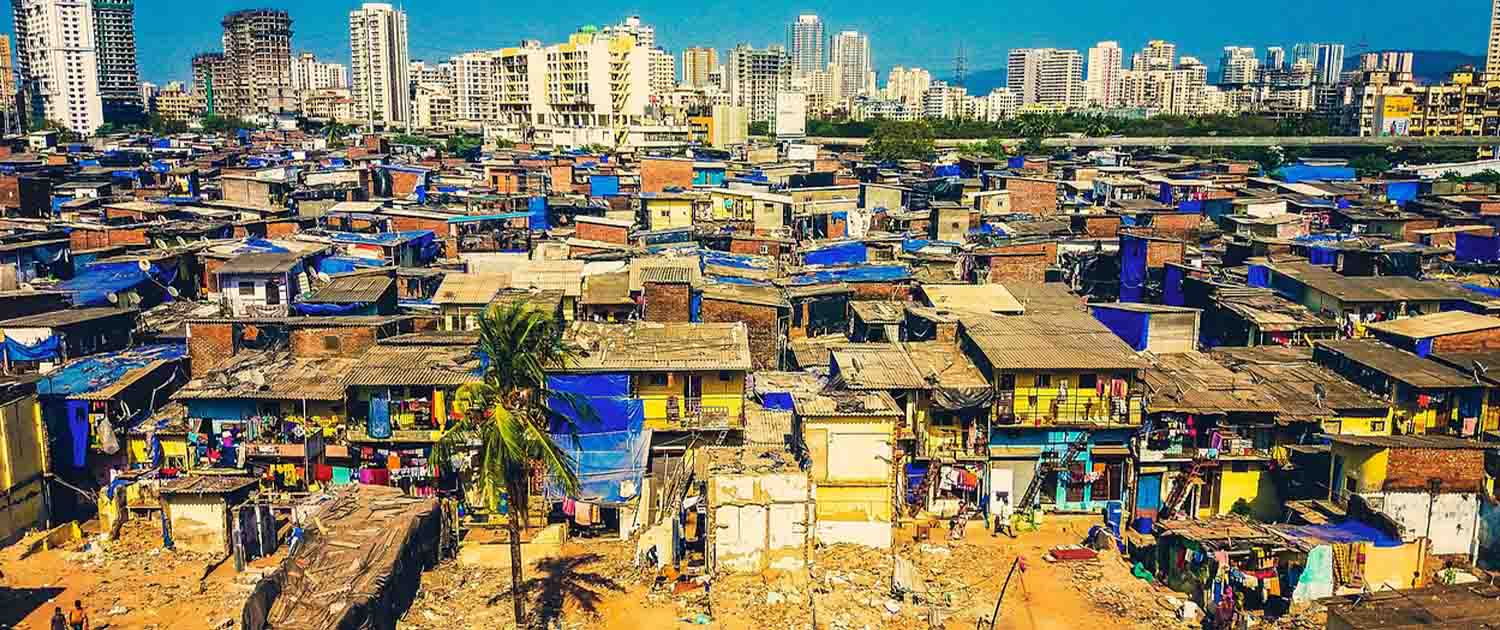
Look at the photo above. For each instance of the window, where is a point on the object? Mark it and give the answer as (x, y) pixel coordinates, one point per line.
(1007, 382)
(273, 293)
(247, 287)
(658, 380)
(726, 376)
(1043, 380)
(332, 342)
(1378, 425)
(1088, 381)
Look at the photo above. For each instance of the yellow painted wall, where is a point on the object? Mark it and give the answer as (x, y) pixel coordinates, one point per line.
(854, 503)
(173, 446)
(668, 214)
(728, 206)
(1255, 486)
(1359, 425)
(729, 394)
(1080, 405)
(21, 445)
(1367, 465)
(850, 485)
(1392, 567)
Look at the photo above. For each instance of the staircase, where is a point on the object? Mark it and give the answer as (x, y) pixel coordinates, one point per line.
(1047, 464)
(1185, 483)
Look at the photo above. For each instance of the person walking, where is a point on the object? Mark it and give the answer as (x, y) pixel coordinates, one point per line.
(78, 618)
(59, 620)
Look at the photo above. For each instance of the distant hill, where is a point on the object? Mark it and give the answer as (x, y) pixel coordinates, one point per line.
(1429, 66)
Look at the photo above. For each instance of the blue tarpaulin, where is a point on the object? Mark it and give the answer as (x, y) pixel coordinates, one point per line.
(78, 431)
(332, 265)
(850, 253)
(1294, 173)
(260, 246)
(1350, 531)
(1133, 327)
(598, 403)
(537, 208)
(604, 185)
(1489, 291)
(915, 473)
(96, 372)
(609, 465)
(1401, 192)
(1322, 255)
(323, 308)
(379, 423)
(780, 401)
(948, 170)
(45, 349)
(913, 245)
(1476, 248)
(1259, 276)
(1171, 286)
(872, 273)
(93, 286)
(1132, 269)
(737, 261)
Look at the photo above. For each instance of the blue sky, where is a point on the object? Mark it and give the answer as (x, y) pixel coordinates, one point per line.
(171, 31)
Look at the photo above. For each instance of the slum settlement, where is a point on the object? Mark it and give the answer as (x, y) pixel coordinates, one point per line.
(1263, 391)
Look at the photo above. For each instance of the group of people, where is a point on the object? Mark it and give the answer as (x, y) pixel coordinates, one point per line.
(76, 619)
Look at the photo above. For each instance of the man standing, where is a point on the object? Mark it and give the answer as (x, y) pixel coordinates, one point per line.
(1003, 515)
(78, 618)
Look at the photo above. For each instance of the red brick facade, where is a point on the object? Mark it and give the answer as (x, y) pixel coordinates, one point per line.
(1460, 470)
(1024, 263)
(1032, 196)
(763, 325)
(320, 342)
(591, 231)
(657, 175)
(667, 302)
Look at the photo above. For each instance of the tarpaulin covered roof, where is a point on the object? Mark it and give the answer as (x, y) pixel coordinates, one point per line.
(871, 273)
(86, 375)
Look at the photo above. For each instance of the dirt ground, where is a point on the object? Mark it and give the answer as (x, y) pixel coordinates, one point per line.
(593, 586)
(131, 584)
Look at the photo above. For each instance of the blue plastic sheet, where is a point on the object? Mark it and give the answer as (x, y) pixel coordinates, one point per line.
(1259, 276)
(323, 308)
(737, 261)
(598, 403)
(871, 273)
(850, 253)
(536, 207)
(78, 431)
(49, 348)
(93, 286)
(609, 465)
(379, 423)
(1349, 531)
(1476, 248)
(96, 372)
(1401, 192)
(604, 185)
(1171, 289)
(260, 246)
(1322, 255)
(1294, 173)
(780, 401)
(332, 265)
(1131, 326)
(1132, 269)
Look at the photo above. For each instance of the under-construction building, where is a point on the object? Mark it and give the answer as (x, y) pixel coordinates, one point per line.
(256, 75)
(119, 79)
(209, 72)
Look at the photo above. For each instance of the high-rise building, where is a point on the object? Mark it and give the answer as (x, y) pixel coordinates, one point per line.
(1327, 61)
(1051, 77)
(380, 61)
(1275, 58)
(1157, 55)
(420, 72)
(119, 79)
(59, 62)
(474, 86)
(697, 64)
(258, 61)
(754, 77)
(431, 106)
(592, 80)
(148, 94)
(1238, 66)
(805, 39)
(210, 71)
(1106, 60)
(644, 34)
(1386, 61)
(663, 71)
(7, 81)
(850, 51)
(1492, 60)
(310, 74)
(907, 85)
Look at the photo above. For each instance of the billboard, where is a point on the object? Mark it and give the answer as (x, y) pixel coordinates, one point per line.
(1394, 112)
(791, 115)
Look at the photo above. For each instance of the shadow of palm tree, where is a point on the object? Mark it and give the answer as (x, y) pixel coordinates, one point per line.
(558, 581)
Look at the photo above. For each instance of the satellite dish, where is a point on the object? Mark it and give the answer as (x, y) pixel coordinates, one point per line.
(172, 291)
(143, 265)
(112, 297)
(323, 277)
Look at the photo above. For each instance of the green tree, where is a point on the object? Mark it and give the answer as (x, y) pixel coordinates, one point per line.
(992, 148)
(417, 141)
(894, 140)
(763, 128)
(463, 144)
(214, 123)
(1370, 165)
(505, 427)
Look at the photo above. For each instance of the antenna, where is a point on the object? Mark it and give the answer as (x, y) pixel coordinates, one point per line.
(960, 66)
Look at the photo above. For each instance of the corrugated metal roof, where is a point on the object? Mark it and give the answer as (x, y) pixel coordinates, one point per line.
(1446, 442)
(877, 366)
(416, 365)
(1398, 364)
(1192, 382)
(991, 298)
(207, 484)
(667, 275)
(470, 288)
(64, 317)
(879, 311)
(351, 289)
(846, 404)
(1054, 341)
(272, 376)
(1437, 324)
(269, 262)
(655, 346)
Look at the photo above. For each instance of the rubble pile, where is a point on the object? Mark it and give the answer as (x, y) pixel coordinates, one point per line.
(1108, 584)
(768, 602)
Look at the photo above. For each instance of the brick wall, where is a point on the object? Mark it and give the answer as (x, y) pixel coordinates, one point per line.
(1102, 226)
(1408, 231)
(1477, 341)
(752, 247)
(659, 175)
(1459, 470)
(281, 229)
(562, 178)
(879, 291)
(602, 233)
(1025, 263)
(1159, 253)
(208, 345)
(10, 192)
(667, 302)
(765, 333)
(837, 228)
(1032, 196)
(211, 274)
(314, 342)
(403, 183)
(1183, 226)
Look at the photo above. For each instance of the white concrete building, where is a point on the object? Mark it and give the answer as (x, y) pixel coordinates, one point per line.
(907, 85)
(697, 64)
(592, 80)
(1049, 77)
(58, 64)
(1000, 104)
(380, 61)
(755, 76)
(1106, 61)
(805, 39)
(1157, 55)
(474, 86)
(644, 34)
(1238, 66)
(850, 51)
(310, 74)
(432, 106)
(791, 115)
(663, 72)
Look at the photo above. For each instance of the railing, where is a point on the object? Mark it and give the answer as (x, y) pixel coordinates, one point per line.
(1069, 411)
(696, 415)
(951, 446)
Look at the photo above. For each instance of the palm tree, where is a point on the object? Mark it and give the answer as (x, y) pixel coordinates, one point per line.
(505, 427)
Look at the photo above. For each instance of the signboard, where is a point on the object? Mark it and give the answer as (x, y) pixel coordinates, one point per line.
(1395, 112)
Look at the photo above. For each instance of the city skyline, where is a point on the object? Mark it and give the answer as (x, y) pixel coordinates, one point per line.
(168, 40)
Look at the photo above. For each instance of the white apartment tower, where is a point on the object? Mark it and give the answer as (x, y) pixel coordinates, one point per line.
(644, 34)
(1157, 55)
(754, 78)
(257, 71)
(907, 85)
(591, 81)
(697, 65)
(310, 74)
(1106, 61)
(1492, 60)
(1047, 76)
(1238, 66)
(380, 62)
(663, 71)
(1275, 58)
(58, 62)
(804, 38)
(474, 86)
(850, 51)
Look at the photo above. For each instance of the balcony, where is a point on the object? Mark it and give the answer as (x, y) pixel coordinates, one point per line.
(1074, 410)
(693, 415)
(951, 445)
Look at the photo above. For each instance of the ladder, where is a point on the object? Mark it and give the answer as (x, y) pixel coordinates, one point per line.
(1031, 498)
(1185, 483)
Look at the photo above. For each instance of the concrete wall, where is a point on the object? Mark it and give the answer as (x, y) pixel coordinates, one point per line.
(21, 467)
(852, 473)
(759, 522)
(1454, 518)
(199, 523)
